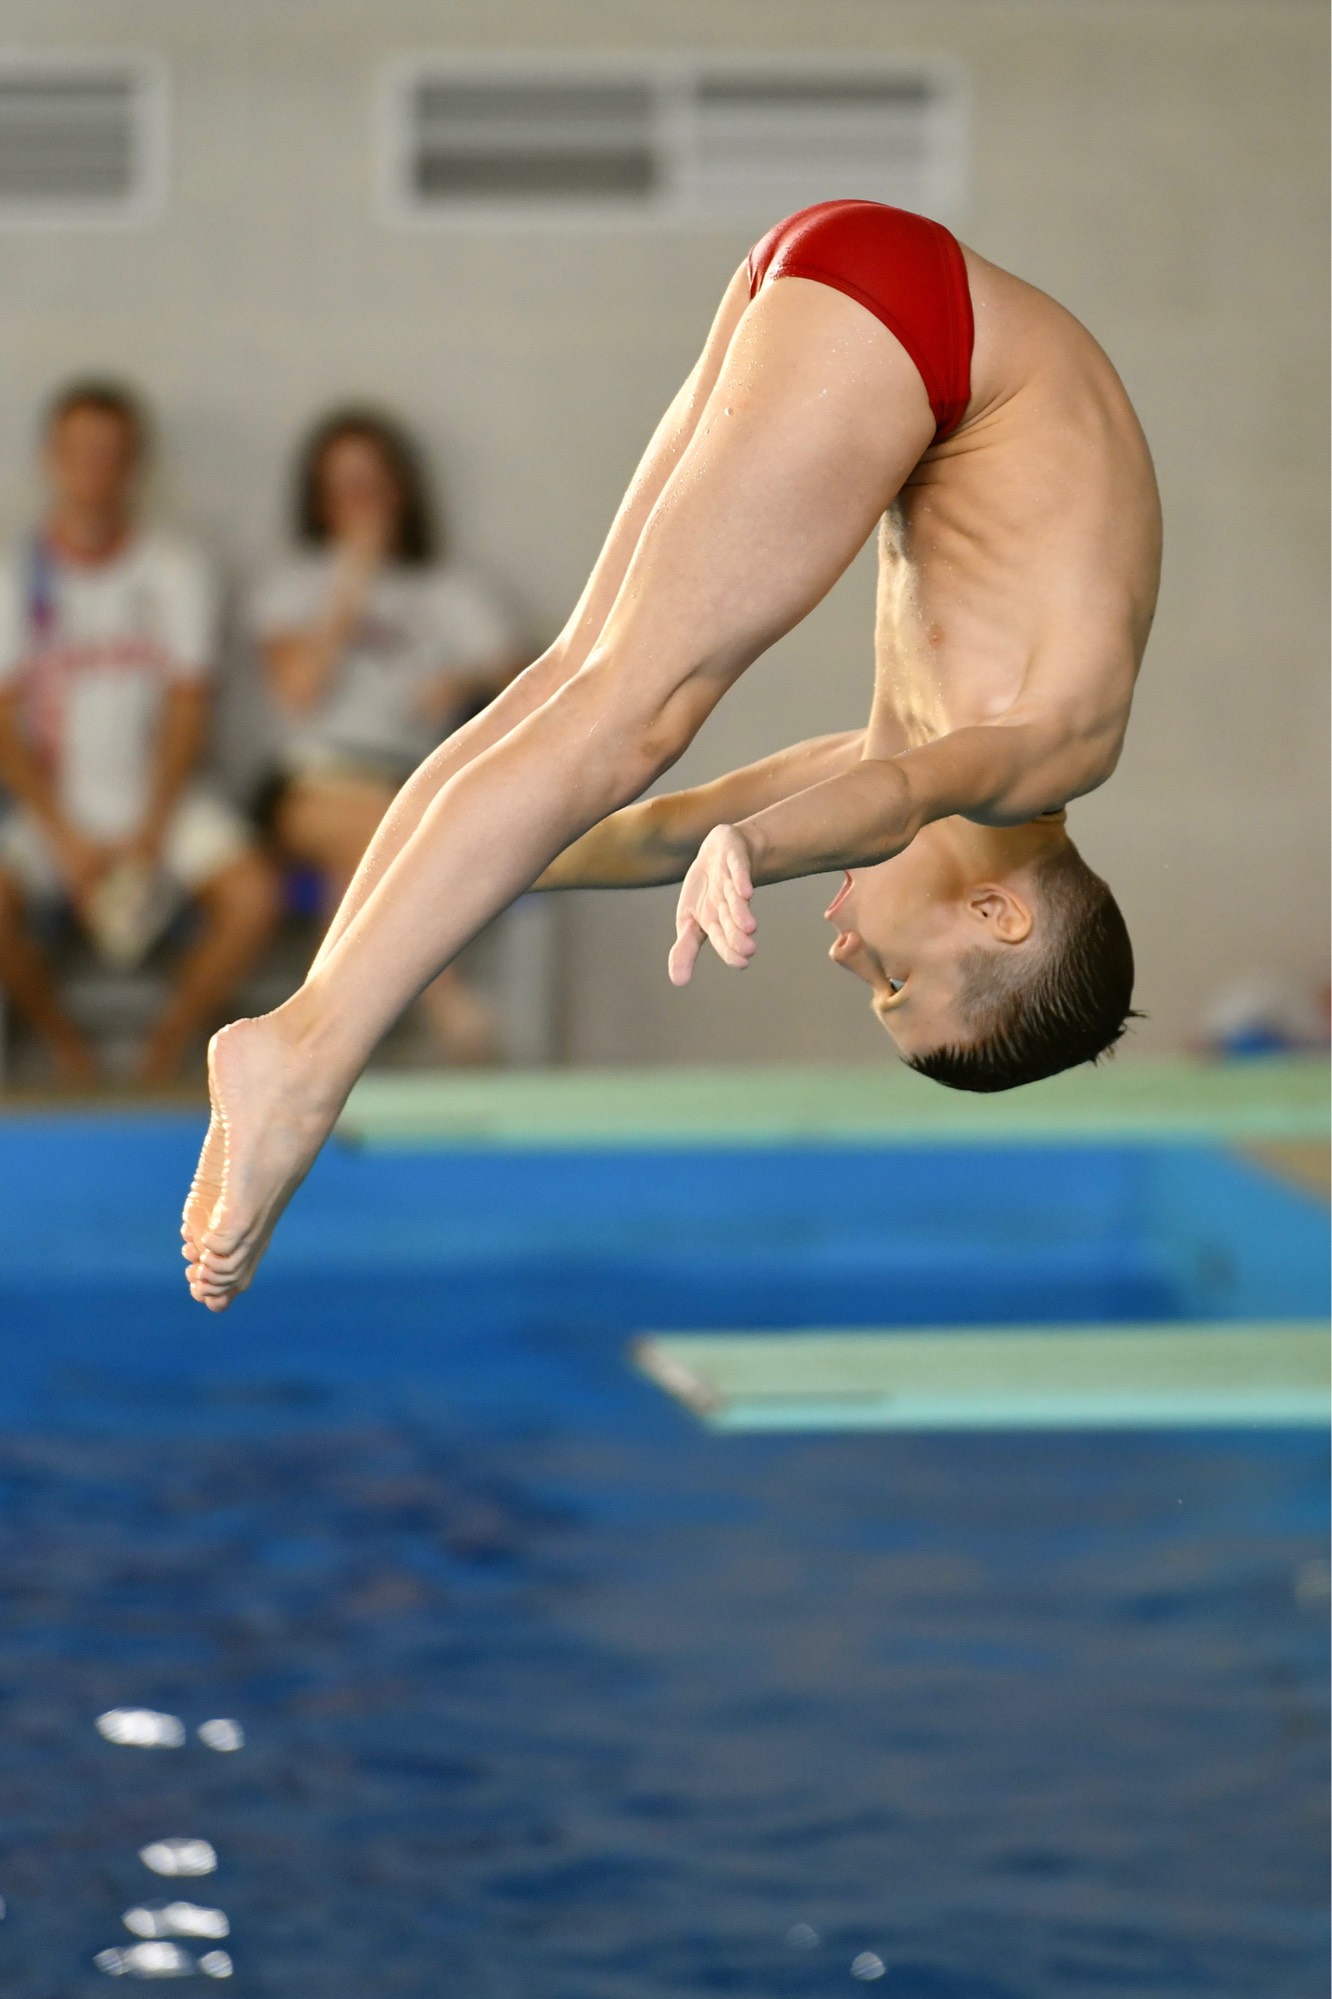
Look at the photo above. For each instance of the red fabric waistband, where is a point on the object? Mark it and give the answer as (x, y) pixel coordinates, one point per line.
(909, 272)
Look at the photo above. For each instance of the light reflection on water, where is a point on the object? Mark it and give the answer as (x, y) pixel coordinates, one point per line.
(162, 1960)
(179, 1856)
(176, 1919)
(224, 1735)
(141, 1728)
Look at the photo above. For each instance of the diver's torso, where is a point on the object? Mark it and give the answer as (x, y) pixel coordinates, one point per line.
(1018, 568)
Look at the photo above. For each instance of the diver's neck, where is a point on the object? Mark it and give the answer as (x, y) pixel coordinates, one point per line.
(1001, 850)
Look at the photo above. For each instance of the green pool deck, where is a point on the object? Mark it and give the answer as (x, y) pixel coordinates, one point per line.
(1236, 1376)
(1273, 1100)
(1013, 1378)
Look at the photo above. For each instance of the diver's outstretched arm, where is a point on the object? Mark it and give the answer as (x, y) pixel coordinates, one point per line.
(999, 774)
(656, 840)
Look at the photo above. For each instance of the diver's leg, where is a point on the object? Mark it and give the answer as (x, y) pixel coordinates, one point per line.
(525, 693)
(817, 418)
(572, 647)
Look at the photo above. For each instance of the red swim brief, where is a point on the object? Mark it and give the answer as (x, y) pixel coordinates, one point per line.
(907, 271)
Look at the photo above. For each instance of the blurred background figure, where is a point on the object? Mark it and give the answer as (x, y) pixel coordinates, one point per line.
(107, 645)
(374, 648)
(1266, 1011)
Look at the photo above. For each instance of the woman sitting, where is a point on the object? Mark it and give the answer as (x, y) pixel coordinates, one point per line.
(374, 651)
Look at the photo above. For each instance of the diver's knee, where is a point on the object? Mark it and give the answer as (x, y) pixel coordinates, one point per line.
(646, 728)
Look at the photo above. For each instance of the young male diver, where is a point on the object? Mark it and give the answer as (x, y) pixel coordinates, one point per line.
(863, 367)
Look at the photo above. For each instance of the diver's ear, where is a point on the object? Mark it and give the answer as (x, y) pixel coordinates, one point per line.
(1007, 915)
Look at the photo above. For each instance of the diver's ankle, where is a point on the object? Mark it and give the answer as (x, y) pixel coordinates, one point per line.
(318, 1064)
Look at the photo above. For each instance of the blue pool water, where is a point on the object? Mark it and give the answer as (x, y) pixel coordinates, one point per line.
(552, 1695)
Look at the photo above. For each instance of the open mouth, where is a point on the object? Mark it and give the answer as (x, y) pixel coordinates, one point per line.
(840, 897)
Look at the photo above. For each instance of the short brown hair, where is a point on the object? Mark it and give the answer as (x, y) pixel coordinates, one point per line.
(97, 392)
(1036, 1013)
(418, 537)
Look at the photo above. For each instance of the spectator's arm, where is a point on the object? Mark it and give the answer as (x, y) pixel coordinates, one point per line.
(476, 636)
(26, 779)
(22, 773)
(181, 735)
(189, 609)
(301, 662)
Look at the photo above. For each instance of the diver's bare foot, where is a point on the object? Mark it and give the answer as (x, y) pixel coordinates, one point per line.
(273, 1117)
(205, 1192)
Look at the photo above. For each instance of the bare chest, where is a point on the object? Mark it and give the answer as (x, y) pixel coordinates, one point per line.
(1012, 574)
(941, 662)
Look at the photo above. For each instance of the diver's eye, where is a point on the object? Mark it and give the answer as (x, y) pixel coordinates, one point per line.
(896, 985)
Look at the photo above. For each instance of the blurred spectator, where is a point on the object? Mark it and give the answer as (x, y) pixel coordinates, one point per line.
(107, 640)
(374, 650)
(1266, 1012)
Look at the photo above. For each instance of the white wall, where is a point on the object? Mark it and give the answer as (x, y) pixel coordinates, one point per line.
(1157, 164)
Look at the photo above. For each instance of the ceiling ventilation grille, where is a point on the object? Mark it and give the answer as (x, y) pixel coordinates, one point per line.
(665, 140)
(82, 138)
(531, 140)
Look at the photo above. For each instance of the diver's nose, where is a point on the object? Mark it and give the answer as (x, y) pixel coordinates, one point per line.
(848, 949)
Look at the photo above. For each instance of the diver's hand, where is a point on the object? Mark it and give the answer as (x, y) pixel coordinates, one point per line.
(714, 904)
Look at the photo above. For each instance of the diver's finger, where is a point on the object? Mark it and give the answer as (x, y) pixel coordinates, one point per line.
(731, 931)
(737, 905)
(737, 866)
(733, 946)
(684, 951)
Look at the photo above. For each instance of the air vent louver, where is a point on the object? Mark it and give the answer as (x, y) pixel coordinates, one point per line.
(667, 140)
(80, 139)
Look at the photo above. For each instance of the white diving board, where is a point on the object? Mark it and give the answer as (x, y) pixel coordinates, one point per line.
(1229, 1375)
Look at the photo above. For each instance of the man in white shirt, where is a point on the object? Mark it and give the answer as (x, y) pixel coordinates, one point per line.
(107, 644)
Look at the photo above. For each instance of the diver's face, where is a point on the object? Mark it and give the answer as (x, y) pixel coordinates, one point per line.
(905, 926)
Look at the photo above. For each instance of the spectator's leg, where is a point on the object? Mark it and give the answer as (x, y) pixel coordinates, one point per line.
(240, 906)
(28, 980)
(328, 823)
